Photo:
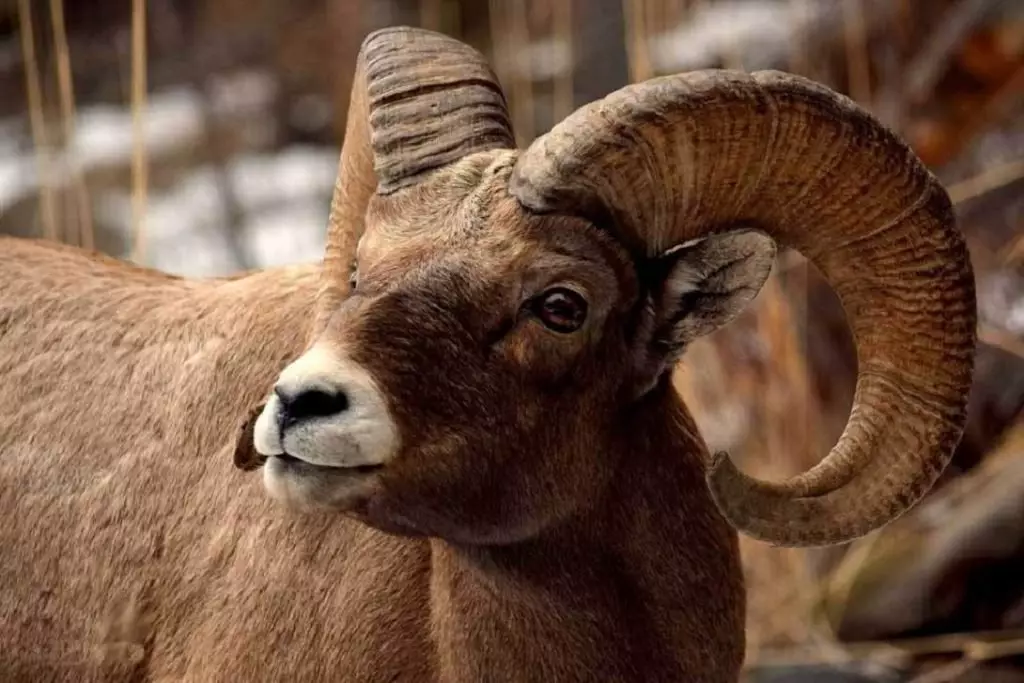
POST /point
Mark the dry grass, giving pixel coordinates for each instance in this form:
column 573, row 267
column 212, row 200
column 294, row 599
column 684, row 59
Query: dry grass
column 966, row 647
column 637, row 53
column 140, row 164
column 989, row 180
column 857, row 62
column 83, row 206
column 431, row 14
column 563, row 82
column 37, row 120
column 773, row 391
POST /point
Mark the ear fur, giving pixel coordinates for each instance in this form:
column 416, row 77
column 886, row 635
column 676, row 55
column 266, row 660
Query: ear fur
column 708, row 284
column 695, row 289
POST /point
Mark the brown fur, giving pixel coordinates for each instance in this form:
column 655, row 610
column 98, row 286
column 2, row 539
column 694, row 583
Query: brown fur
column 540, row 524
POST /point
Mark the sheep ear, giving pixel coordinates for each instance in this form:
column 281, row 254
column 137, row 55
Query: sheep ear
column 241, row 446
column 705, row 284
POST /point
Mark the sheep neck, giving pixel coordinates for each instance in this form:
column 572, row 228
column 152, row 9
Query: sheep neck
column 611, row 594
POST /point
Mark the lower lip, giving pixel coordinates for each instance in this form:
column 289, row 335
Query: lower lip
column 293, row 463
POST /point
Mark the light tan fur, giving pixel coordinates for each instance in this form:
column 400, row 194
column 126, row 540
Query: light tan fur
column 132, row 549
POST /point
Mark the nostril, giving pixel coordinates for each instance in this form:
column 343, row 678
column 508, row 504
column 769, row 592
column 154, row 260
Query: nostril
column 311, row 403
column 318, row 403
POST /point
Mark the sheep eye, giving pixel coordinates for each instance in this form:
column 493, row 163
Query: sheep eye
column 353, row 275
column 561, row 309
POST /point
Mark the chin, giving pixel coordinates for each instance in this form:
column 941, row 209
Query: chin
column 303, row 487
column 393, row 525
column 398, row 516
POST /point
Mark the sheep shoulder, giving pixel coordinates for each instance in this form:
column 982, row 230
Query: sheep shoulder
column 132, row 548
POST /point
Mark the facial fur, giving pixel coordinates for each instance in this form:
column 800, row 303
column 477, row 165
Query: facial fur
column 471, row 417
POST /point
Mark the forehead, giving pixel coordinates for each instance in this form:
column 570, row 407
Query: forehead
column 488, row 232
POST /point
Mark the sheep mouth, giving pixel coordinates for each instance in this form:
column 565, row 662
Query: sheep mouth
column 307, row 487
column 298, row 464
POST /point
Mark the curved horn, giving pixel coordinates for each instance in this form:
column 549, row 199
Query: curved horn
column 685, row 156
column 420, row 101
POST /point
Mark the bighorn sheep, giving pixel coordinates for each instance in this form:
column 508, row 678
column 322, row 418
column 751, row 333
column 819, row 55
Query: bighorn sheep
column 495, row 479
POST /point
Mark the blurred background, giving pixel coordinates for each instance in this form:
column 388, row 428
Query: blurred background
column 201, row 137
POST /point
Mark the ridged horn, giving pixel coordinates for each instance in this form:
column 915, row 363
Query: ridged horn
column 685, row 156
column 420, row 101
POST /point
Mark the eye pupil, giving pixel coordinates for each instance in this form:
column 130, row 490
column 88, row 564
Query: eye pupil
column 562, row 310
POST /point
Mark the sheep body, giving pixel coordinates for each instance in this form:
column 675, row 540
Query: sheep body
column 135, row 551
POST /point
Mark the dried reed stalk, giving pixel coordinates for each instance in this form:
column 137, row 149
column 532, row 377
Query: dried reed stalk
column 502, row 59
column 637, row 54
column 654, row 16
column 977, row 647
column 518, row 44
column 673, row 12
column 499, row 50
column 798, row 58
column 1013, row 252
column 67, row 110
column 858, row 65
column 431, row 14
column 139, row 157
column 927, row 66
column 564, row 90
column 841, row 580
column 37, row 120
column 734, row 52
column 893, row 104
column 346, row 21
column 946, row 673
column 989, row 180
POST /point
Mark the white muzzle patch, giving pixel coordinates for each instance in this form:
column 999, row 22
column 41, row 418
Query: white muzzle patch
column 361, row 434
